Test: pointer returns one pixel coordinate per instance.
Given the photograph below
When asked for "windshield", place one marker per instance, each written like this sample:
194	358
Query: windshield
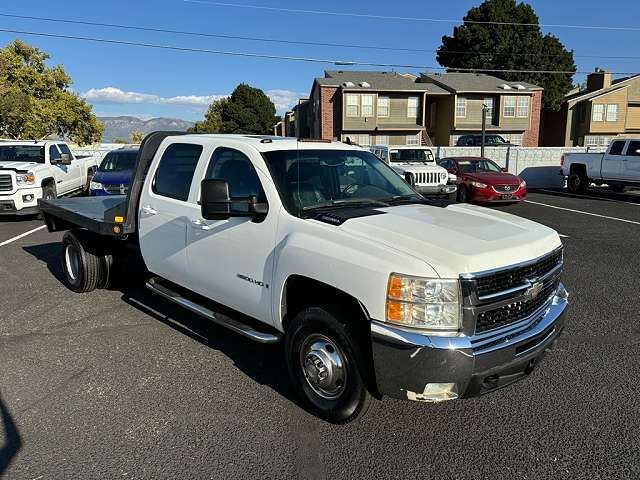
313	179
118	162
478	166
22	153
411	155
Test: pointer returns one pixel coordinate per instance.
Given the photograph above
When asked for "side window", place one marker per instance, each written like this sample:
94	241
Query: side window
65	149
234	167
617	147
54	153
175	171
634	148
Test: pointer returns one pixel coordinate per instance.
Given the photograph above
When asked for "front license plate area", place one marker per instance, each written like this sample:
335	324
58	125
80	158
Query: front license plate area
506	196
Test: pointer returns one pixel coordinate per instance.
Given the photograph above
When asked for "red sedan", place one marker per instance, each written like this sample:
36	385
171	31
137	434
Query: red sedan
482	180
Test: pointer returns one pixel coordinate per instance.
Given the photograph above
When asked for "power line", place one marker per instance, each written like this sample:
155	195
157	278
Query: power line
415	19
285	57
298	42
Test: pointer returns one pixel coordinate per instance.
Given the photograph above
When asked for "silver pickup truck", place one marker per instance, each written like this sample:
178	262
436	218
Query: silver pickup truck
619	167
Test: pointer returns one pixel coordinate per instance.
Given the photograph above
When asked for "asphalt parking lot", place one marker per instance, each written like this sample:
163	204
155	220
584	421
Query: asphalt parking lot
121	384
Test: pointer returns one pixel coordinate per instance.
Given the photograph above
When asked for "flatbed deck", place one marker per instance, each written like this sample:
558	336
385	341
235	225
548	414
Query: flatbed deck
96	214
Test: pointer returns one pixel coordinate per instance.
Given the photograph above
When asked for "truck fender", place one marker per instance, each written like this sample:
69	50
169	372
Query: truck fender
48	180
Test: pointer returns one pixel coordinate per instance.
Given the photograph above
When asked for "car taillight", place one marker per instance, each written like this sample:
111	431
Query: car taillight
562	161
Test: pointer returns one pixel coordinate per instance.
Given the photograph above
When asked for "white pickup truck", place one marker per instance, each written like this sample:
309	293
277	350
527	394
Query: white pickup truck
31	170
372	289
417	165
619	167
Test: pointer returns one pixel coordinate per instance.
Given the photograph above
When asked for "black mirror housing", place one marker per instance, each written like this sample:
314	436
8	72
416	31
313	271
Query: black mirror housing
215	203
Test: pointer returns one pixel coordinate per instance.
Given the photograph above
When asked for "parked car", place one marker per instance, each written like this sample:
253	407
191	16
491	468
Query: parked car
619	167
418	167
490	140
484	181
30	170
114	173
372	289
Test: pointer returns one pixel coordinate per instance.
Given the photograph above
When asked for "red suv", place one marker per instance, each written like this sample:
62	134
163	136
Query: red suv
482	180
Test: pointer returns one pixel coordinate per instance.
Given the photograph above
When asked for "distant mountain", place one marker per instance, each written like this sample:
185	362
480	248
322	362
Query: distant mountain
121	127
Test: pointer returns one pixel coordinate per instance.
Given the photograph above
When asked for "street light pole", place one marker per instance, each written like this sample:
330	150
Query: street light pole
484	128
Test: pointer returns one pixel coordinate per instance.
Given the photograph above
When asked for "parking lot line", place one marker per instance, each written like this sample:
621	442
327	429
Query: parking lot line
22	235
583	213
577	195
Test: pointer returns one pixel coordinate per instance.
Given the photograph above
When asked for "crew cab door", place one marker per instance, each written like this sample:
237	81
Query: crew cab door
75	173
613	160
163	211
60	171
631	162
231	261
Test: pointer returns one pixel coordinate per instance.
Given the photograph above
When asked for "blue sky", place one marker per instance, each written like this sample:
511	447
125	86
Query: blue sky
128	80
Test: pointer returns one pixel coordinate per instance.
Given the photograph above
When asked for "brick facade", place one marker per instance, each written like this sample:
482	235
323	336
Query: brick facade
330	113
531	137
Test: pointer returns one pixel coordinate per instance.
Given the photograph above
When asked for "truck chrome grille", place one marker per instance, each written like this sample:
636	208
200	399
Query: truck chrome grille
6	184
116	189
514	312
512	278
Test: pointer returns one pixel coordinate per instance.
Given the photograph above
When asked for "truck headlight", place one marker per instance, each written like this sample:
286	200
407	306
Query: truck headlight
443	176
25	178
95	186
429	303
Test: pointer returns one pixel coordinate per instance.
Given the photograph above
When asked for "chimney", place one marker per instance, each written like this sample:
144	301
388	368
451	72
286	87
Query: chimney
598	80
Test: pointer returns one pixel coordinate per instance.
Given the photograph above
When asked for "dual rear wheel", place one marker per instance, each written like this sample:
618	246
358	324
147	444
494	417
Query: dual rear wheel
86	265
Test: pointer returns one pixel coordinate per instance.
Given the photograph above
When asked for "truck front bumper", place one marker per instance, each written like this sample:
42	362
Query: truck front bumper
436	189
23	201
416	366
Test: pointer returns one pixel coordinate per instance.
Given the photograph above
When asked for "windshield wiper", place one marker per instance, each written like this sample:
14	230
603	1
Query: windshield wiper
346	202
405	198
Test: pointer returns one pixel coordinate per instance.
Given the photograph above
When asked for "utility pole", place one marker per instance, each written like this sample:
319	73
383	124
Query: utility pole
484	128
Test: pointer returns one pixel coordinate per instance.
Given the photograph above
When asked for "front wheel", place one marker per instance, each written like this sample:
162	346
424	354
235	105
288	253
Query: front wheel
463	194
577	183
324	363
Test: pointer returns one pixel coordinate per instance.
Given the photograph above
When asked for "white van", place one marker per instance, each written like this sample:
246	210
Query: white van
417	165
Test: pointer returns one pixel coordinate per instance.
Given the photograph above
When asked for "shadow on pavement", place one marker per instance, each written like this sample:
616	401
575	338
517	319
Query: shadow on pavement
49	253
13	442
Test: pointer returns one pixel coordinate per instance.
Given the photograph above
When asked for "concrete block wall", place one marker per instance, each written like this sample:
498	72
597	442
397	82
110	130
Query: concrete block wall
538	166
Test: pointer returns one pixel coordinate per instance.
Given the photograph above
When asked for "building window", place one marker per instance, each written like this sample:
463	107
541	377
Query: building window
461	107
383	106
488	102
597	112
363	140
367	105
596	140
612	112
523	107
412	140
382	140
510	107
412	107
352	106
514	138
454	139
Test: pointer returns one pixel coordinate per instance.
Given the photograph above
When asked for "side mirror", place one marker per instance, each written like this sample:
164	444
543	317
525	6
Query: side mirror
504	170
453	170
65	159
216	204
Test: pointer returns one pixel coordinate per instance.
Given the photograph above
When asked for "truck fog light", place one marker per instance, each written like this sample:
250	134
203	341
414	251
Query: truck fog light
28	198
561	295
435	392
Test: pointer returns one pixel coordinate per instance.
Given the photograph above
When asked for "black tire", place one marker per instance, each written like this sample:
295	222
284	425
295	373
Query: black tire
49	192
463	194
82	263
577	182
453	197
617	188
313	327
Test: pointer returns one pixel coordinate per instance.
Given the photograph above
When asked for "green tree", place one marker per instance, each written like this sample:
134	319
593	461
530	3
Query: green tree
510	47
136	137
247	110
35	100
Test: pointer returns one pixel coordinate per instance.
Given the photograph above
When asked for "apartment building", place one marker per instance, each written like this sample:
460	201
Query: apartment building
591	117
513	108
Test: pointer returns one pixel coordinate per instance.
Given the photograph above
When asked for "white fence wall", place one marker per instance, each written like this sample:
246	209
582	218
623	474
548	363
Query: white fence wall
538	166
99	150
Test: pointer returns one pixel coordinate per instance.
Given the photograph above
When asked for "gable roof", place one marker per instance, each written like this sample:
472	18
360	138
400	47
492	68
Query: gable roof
476	83
380	81
615	85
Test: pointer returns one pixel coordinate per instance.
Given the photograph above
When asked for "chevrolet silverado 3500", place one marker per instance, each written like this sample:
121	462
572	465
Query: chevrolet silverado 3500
372	289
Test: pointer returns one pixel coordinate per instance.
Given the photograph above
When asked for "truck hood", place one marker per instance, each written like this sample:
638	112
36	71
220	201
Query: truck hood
18	165
416	167
457	239
494	178
113	178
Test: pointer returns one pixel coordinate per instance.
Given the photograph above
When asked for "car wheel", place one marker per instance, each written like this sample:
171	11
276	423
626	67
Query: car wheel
577	183
49	192
463	194
324	364
617	188
82	263
452	197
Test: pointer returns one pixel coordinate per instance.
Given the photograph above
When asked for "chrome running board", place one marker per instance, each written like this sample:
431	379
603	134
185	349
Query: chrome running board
154	284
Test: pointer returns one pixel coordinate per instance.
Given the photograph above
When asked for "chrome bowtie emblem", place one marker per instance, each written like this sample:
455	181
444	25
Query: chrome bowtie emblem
534	290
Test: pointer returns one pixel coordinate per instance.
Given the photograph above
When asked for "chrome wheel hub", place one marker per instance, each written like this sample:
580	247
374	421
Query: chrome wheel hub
72	261
323	366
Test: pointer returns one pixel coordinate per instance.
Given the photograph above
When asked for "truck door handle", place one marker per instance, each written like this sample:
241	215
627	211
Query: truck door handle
202	225
149	210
